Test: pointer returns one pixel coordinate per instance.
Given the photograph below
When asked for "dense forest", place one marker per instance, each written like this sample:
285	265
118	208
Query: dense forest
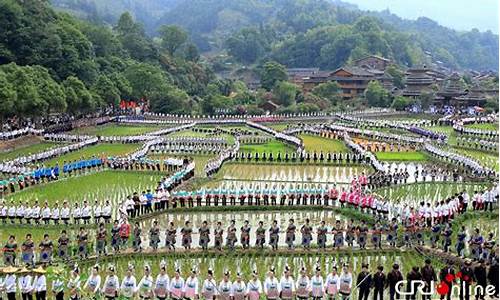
289	30
53	62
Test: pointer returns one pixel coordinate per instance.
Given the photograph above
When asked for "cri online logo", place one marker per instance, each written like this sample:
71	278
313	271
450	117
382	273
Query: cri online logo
444	287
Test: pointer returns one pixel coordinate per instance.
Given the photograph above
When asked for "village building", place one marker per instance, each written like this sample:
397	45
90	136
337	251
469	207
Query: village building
418	81
269	106
373	62
353	81
310	82
454	93
301	72
452	87
474	98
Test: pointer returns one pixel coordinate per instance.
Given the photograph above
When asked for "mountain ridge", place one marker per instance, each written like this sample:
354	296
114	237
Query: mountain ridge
211	23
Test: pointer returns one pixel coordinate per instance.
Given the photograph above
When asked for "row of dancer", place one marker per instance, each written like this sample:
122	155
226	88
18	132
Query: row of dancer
336	282
333	236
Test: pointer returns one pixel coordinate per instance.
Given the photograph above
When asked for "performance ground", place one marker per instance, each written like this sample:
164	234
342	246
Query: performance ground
303	193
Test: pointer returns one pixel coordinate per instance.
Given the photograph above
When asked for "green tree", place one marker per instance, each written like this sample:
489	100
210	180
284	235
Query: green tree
272	72
78	97
134	40
329	91
398	76
8	97
215	102
172	38
307	108
126	24
107	91
285	93
400	103
191	53
376	95
491	104
145	79
169	99
122	84
426	99
24	82
247	45
49	90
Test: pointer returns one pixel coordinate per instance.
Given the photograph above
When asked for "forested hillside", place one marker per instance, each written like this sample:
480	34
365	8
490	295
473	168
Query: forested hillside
285	30
53	62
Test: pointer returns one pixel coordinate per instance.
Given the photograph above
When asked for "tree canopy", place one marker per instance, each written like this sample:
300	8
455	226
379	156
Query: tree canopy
52	62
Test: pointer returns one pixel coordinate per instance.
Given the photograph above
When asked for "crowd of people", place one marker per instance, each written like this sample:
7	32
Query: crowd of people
459	127
287	138
41	174
478	144
302	157
191	145
428	133
38	157
213	165
337	281
376	135
461	160
123	236
16	133
395	223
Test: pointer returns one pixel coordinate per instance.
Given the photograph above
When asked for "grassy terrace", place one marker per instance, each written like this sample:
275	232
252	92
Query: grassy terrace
106	185
448	130
97	150
273	146
316	143
484	126
402	156
487	159
27	150
117	130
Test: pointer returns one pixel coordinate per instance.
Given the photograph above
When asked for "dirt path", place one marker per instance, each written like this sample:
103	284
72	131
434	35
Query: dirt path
19	143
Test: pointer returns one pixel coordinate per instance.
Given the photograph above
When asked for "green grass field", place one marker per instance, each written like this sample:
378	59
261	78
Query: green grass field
27	150
273	146
484	126
316	143
116	130
278	126
105	185
97	150
402	156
